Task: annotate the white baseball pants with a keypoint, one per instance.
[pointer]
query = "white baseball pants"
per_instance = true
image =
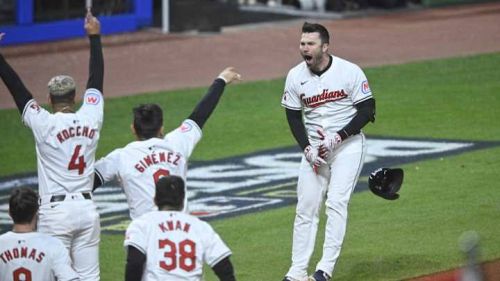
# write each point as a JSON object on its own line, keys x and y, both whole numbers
{"x": 336, "y": 181}
{"x": 75, "y": 221}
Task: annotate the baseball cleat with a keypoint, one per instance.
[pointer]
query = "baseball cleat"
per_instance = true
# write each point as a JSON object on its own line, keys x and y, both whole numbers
{"x": 319, "y": 275}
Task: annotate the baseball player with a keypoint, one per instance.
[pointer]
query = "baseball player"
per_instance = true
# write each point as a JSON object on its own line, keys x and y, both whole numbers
{"x": 66, "y": 141}
{"x": 169, "y": 244}
{"x": 327, "y": 101}
{"x": 141, "y": 163}
{"x": 28, "y": 255}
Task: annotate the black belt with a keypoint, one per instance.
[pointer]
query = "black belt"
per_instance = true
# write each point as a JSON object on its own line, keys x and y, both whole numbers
{"x": 59, "y": 198}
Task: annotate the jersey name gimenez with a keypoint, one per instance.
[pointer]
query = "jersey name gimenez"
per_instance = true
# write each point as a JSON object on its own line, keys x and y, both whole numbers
{"x": 33, "y": 256}
{"x": 328, "y": 101}
{"x": 140, "y": 164}
{"x": 176, "y": 245}
{"x": 66, "y": 144}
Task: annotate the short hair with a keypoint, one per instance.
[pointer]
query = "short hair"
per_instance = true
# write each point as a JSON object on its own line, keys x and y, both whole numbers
{"x": 23, "y": 205}
{"x": 316, "y": 27}
{"x": 170, "y": 192}
{"x": 148, "y": 119}
{"x": 62, "y": 89}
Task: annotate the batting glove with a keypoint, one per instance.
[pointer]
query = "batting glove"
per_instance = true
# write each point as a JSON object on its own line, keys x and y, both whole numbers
{"x": 315, "y": 156}
{"x": 329, "y": 142}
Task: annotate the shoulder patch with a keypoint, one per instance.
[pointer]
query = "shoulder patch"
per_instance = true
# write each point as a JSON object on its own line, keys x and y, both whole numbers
{"x": 35, "y": 106}
{"x": 365, "y": 88}
{"x": 285, "y": 96}
{"x": 92, "y": 98}
{"x": 185, "y": 127}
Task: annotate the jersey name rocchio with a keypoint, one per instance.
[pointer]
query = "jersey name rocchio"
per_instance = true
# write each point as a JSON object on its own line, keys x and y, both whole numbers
{"x": 77, "y": 131}
{"x": 23, "y": 252}
{"x": 155, "y": 158}
{"x": 323, "y": 98}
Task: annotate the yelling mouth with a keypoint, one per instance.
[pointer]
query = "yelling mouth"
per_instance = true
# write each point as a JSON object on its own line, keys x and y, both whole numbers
{"x": 308, "y": 58}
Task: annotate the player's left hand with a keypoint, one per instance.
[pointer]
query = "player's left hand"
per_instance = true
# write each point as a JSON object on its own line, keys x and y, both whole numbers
{"x": 1, "y": 35}
{"x": 329, "y": 142}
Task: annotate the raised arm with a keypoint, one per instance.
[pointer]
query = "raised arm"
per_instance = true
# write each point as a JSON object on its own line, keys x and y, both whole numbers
{"x": 96, "y": 63}
{"x": 16, "y": 87}
{"x": 206, "y": 106}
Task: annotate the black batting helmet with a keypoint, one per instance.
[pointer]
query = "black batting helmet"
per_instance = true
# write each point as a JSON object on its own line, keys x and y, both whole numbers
{"x": 386, "y": 182}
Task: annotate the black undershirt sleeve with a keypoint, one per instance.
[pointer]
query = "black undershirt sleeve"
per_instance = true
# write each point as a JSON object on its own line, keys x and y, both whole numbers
{"x": 16, "y": 87}
{"x": 224, "y": 270}
{"x": 366, "y": 113}
{"x": 294, "y": 118}
{"x": 96, "y": 64}
{"x": 135, "y": 264}
{"x": 208, "y": 103}
{"x": 97, "y": 180}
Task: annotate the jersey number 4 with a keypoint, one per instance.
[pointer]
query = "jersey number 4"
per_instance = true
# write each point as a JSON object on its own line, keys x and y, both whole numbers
{"x": 77, "y": 162}
{"x": 182, "y": 255}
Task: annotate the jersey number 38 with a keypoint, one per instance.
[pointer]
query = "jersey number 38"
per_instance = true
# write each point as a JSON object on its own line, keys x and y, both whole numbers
{"x": 182, "y": 255}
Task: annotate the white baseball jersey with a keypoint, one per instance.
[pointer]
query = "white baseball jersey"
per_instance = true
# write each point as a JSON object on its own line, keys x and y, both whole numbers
{"x": 66, "y": 144}
{"x": 33, "y": 256}
{"x": 175, "y": 244}
{"x": 141, "y": 163}
{"x": 328, "y": 100}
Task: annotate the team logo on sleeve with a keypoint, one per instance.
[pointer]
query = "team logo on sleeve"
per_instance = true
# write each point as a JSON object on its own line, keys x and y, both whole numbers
{"x": 35, "y": 106}
{"x": 185, "y": 127}
{"x": 92, "y": 98}
{"x": 285, "y": 95}
{"x": 365, "y": 88}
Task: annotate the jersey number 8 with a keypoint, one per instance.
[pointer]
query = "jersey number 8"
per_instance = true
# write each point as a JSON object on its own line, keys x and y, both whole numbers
{"x": 21, "y": 274}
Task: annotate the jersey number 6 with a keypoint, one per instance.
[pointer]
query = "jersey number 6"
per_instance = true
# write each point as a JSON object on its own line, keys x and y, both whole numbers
{"x": 160, "y": 174}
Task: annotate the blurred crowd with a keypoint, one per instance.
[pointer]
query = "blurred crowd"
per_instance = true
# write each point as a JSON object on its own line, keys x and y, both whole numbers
{"x": 329, "y": 5}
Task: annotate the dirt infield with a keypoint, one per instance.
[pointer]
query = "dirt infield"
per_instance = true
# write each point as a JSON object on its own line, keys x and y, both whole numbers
{"x": 150, "y": 61}
{"x": 491, "y": 272}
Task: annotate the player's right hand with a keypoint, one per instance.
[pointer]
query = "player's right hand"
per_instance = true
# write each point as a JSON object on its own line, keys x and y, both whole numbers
{"x": 1, "y": 35}
{"x": 329, "y": 142}
{"x": 315, "y": 157}
{"x": 92, "y": 24}
{"x": 229, "y": 75}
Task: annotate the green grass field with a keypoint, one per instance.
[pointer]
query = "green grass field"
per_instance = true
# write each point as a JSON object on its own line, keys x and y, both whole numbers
{"x": 452, "y": 98}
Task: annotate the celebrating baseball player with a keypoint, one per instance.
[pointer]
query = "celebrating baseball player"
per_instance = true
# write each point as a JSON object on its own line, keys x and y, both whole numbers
{"x": 337, "y": 103}
{"x": 169, "y": 244}
{"x": 66, "y": 141}
{"x": 28, "y": 255}
{"x": 141, "y": 163}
